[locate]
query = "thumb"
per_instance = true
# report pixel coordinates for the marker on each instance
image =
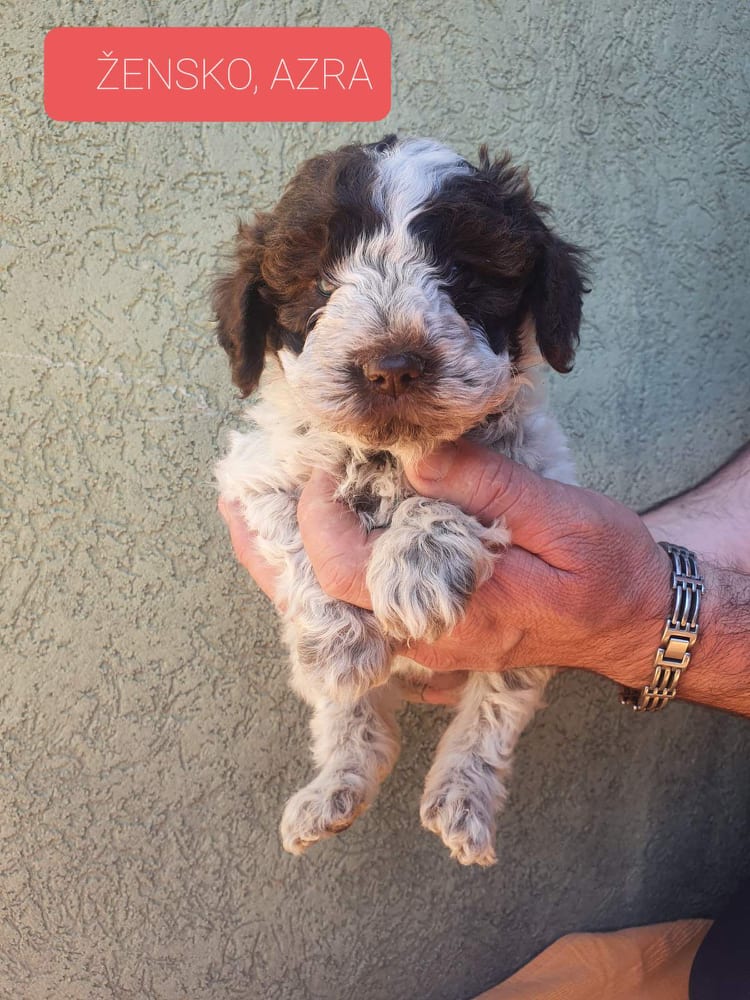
(491, 486)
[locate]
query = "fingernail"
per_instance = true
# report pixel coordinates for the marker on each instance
(436, 465)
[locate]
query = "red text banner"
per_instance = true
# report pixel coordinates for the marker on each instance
(217, 74)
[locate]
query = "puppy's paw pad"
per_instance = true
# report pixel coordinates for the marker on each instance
(317, 812)
(464, 825)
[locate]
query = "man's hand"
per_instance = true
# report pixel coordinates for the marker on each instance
(582, 582)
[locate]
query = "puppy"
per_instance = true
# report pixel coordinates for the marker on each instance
(397, 297)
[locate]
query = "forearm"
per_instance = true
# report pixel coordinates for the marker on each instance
(719, 670)
(713, 518)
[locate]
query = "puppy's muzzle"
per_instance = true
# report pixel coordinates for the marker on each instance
(394, 374)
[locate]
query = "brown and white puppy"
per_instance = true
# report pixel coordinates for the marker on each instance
(396, 297)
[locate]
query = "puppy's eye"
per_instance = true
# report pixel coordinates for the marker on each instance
(325, 287)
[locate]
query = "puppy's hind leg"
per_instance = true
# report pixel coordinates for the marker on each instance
(466, 784)
(355, 746)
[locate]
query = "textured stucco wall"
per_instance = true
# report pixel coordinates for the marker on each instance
(148, 736)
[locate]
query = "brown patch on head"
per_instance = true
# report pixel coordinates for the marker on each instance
(503, 262)
(268, 300)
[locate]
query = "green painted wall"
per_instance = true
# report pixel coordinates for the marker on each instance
(148, 736)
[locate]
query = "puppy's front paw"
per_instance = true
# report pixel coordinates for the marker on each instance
(427, 565)
(342, 649)
(322, 809)
(462, 820)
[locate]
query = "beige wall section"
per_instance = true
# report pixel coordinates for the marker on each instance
(148, 735)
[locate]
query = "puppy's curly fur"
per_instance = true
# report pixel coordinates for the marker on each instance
(396, 297)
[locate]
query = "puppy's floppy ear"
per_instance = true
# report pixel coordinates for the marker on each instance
(245, 317)
(557, 281)
(554, 297)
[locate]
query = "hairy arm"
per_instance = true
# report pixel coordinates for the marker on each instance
(719, 672)
(713, 519)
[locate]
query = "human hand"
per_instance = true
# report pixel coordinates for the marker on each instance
(582, 585)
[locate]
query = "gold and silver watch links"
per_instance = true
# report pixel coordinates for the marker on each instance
(678, 637)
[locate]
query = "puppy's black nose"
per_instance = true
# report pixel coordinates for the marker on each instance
(394, 373)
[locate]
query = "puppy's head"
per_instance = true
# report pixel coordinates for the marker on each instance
(399, 287)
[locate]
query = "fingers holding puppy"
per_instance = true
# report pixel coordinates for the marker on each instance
(336, 544)
(245, 548)
(444, 688)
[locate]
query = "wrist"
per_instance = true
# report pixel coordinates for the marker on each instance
(625, 651)
(678, 637)
(718, 674)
